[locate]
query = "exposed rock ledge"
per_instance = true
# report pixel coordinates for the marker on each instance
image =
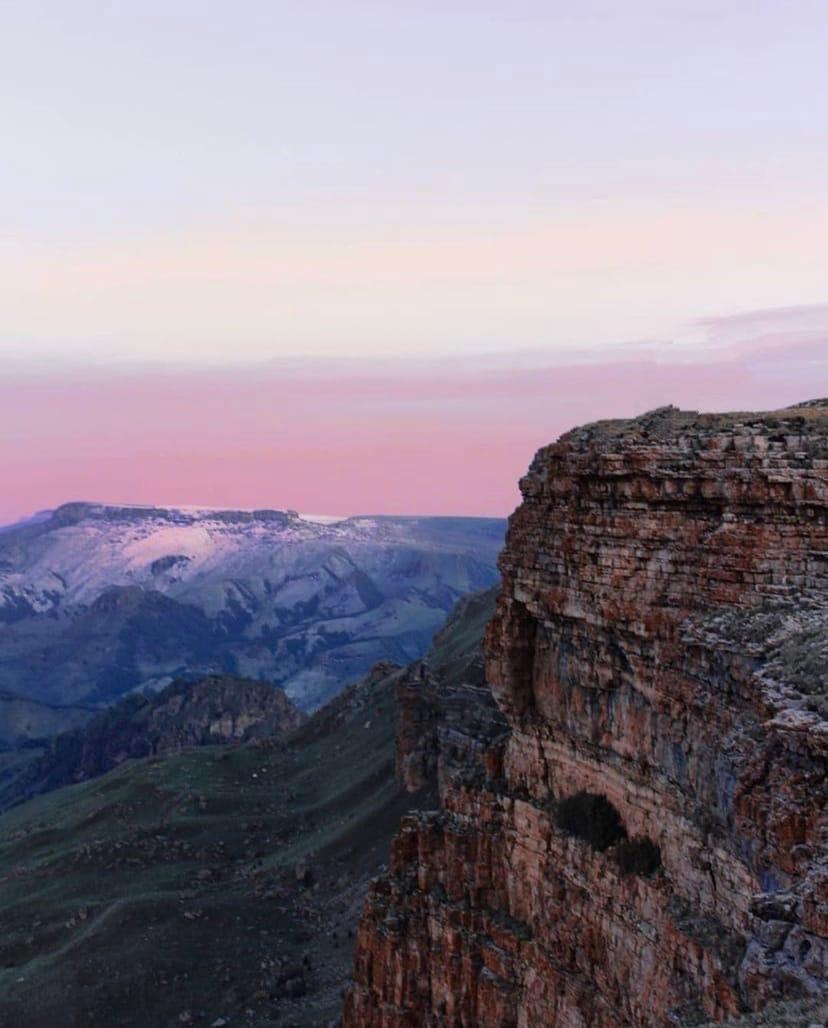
(639, 837)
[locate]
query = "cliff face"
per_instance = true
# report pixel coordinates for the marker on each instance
(645, 842)
(448, 716)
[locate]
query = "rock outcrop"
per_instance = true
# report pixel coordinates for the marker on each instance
(642, 838)
(447, 712)
(210, 711)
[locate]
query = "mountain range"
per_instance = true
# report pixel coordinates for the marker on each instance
(99, 600)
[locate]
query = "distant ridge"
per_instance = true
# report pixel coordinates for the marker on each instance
(98, 599)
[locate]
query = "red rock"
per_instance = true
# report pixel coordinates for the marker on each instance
(664, 600)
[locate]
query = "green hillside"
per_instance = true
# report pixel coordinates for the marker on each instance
(220, 883)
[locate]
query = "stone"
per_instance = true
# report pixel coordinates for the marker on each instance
(303, 874)
(658, 643)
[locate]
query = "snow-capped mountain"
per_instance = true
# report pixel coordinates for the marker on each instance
(97, 600)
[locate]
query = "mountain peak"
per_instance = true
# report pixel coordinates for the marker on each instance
(134, 595)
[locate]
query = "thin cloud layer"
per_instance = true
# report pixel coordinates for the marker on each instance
(426, 437)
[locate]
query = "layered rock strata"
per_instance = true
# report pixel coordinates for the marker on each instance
(447, 715)
(643, 841)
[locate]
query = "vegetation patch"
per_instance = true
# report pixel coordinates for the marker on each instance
(592, 818)
(214, 884)
(637, 856)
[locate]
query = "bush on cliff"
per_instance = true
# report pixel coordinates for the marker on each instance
(637, 856)
(591, 817)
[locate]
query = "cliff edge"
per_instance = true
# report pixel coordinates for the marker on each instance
(637, 834)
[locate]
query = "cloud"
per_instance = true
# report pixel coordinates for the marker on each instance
(423, 436)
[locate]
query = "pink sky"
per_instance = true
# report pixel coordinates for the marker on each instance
(355, 256)
(367, 437)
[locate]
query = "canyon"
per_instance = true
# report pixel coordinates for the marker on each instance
(631, 828)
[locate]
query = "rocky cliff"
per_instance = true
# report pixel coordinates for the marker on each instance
(643, 838)
(447, 712)
(210, 711)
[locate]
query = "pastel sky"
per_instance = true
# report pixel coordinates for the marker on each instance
(366, 256)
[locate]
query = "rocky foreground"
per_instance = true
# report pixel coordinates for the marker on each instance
(632, 826)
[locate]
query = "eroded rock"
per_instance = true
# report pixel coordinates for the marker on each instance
(657, 643)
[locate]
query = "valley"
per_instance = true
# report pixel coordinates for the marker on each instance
(597, 798)
(215, 883)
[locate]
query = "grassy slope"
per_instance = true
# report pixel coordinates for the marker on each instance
(22, 719)
(802, 1014)
(168, 889)
(184, 713)
(458, 643)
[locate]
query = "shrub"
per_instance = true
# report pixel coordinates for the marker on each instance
(637, 856)
(590, 817)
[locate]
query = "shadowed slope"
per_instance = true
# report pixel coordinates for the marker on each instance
(214, 882)
(210, 711)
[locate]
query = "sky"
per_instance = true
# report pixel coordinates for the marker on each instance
(368, 256)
